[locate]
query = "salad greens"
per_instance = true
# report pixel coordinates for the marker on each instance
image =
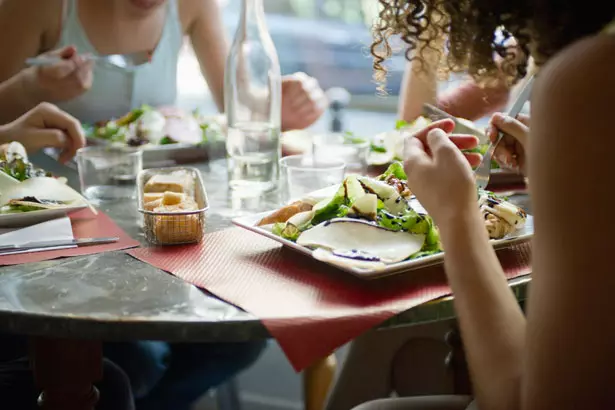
(356, 198)
(140, 126)
(20, 168)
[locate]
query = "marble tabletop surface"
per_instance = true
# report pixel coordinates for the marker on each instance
(112, 296)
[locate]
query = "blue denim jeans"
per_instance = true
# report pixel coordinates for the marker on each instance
(172, 376)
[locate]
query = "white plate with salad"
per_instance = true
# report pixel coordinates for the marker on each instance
(158, 128)
(374, 227)
(29, 195)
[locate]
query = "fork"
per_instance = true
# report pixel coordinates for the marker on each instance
(118, 60)
(483, 172)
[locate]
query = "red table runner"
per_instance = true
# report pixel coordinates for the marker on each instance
(85, 225)
(309, 307)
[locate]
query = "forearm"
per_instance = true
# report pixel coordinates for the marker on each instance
(419, 85)
(15, 97)
(491, 321)
(211, 48)
(472, 102)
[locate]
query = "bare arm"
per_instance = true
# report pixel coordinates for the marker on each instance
(24, 25)
(469, 100)
(562, 358)
(419, 85)
(571, 331)
(492, 324)
(472, 102)
(209, 42)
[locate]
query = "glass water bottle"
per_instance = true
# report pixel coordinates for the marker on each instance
(252, 99)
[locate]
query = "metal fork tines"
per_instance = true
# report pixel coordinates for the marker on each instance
(483, 172)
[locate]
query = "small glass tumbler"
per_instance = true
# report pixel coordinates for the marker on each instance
(303, 174)
(109, 173)
(353, 151)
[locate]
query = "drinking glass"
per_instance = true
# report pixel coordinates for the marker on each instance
(107, 173)
(303, 174)
(353, 151)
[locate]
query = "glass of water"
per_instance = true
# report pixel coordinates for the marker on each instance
(303, 174)
(352, 150)
(109, 173)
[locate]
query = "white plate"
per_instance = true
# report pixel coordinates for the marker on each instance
(20, 219)
(249, 222)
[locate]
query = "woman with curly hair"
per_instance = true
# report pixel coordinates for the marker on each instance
(561, 355)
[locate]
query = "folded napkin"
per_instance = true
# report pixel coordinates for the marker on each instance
(55, 229)
(84, 225)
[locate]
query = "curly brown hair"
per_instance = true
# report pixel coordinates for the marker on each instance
(540, 28)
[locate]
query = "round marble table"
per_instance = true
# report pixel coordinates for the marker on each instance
(68, 305)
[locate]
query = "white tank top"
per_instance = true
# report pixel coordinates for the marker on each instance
(115, 91)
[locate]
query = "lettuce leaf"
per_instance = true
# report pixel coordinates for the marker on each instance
(397, 170)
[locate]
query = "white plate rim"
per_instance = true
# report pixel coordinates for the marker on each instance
(249, 222)
(10, 220)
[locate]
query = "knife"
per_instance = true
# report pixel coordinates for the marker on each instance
(56, 243)
(435, 114)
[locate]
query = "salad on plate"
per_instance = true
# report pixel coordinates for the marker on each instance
(25, 188)
(147, 126)
(369, 223)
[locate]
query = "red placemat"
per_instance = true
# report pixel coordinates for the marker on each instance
(85, 225)
(309, 307)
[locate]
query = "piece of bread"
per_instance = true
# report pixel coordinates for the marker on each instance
(170, 229)
(149, 197)
(172, 198)
(151, 205)
(176, 182)
(497, 227)
(284, 213)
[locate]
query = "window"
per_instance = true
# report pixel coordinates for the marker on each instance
(327, 39)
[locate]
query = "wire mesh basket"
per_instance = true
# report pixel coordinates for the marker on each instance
(174, 228)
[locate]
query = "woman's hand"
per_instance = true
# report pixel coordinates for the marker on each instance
(439, 174)
(62, 81)
(45, 126)
(303, 101)
(510, 152)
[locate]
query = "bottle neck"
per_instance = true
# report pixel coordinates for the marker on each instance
(252, 14)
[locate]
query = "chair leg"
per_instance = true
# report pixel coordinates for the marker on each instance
(317, 380)
(227, 396)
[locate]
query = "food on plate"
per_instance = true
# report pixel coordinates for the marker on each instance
(159, 126)
(371, 222)
(284, 213)
(14, 163)
(388, 146)
(175, 182)
(501, 218)
(37, 194)
(363, 240)
(166, 194)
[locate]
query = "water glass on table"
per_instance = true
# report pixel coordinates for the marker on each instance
(351, 150)
(107, 173)
(303, 174)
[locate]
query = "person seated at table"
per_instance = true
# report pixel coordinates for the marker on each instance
(468, 100)
(163, 376)
(47, 126)
(71, 29)
(560, 356)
